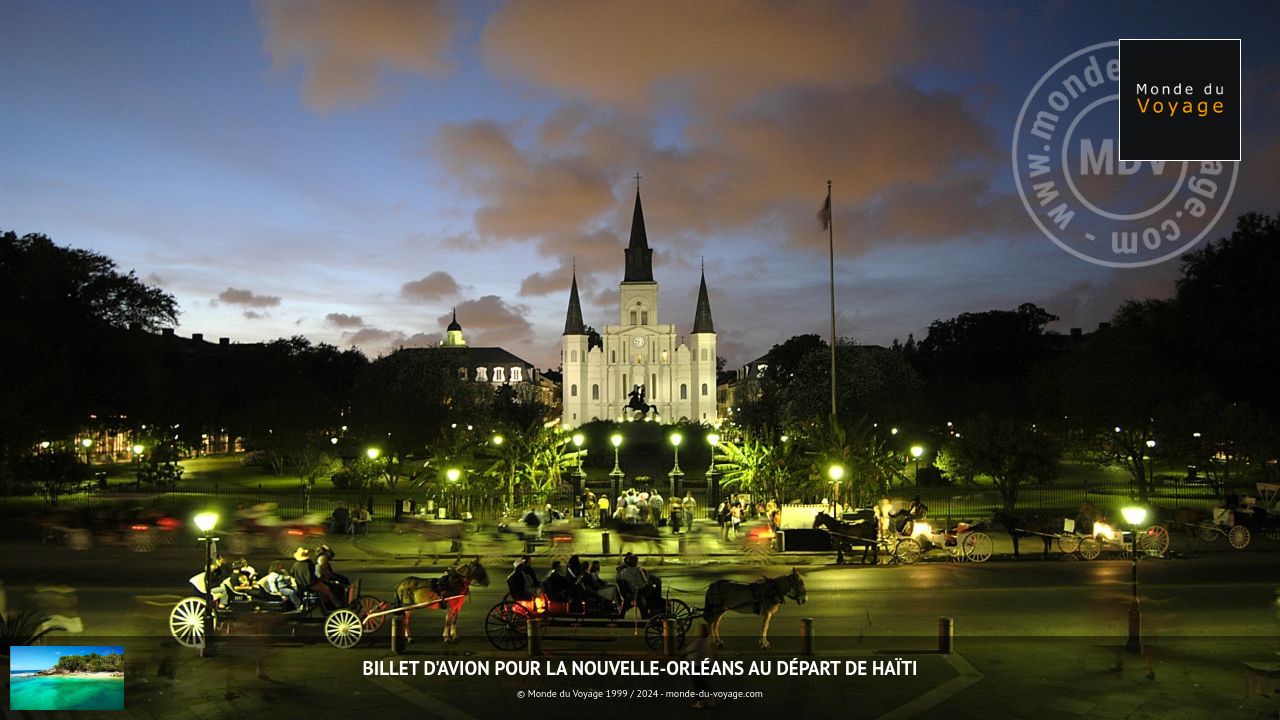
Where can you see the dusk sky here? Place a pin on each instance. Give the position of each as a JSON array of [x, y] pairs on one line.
[[351, 171]]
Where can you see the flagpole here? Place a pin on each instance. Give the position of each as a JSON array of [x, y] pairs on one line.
[[831, 257]]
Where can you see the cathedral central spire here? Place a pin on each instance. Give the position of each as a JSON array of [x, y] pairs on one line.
[[573, 324], [702, 316], [639, 255]]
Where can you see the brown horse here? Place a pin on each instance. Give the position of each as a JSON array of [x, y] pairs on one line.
[[762, 597], [443, 593]]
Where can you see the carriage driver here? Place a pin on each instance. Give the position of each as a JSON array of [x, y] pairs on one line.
[[638, 585], [523, 583]]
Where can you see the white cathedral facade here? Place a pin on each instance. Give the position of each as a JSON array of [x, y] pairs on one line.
[[639, 356]]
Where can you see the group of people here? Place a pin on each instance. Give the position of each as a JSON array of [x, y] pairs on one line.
[[316, 574], [577, 581], [649, 508], [354, 521]]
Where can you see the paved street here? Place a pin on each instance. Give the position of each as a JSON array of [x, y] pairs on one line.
[[1038, 637]]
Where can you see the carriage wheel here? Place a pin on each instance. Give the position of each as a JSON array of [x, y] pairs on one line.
[[1090, 548], [343, 628], [288, 544], [1069, 544], [240, 543], [653, 630], [366, 604], [1207, 532], [1155, 541], [681, 611], [141, 541], [907, 551], [505, 626], [186, 622], [1239, 537], [1272, 533], [978, 547]]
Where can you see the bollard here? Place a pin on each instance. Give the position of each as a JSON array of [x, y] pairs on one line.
[[604, 543], [528, 547], [946, 635], [670, 636], [533, 628], [682, 543], [806, 636], [781, 539], [397, 634]]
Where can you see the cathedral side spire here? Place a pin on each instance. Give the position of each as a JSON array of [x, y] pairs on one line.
[[639, 255], [573, 324], [702, 317]]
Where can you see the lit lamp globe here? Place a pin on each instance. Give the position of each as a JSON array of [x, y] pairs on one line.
[[616, 440], [713, 439], [373, 453], [578, 439], [676, 439], [137, 449], [206, 521], [86, 443], [1134, 515], [453, 474], [836, 473], [916, 451], [1151, 443], [497, 439]]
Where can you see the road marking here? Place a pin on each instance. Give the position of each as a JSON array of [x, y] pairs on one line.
[[405, 692], [967, 675]]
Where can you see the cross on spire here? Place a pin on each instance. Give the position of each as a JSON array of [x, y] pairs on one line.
[[638, 182]]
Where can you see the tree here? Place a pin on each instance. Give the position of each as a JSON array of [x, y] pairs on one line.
[[1009, 452], [53, 472]]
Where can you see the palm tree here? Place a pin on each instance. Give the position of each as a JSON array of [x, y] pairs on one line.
[[23, 628]]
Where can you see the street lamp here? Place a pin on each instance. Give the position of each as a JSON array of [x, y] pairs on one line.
[[497, 439], [578, 474], [372, 453], [714, 441], [676, 474], [206, 522], [1135, 516], [1151, 462], [453, 474], [836, 473], [137, 463], [615, 475], [86, 444], [916, 452]]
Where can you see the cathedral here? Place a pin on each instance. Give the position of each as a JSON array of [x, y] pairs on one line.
[[640, 368]]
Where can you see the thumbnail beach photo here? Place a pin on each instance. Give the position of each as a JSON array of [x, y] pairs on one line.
[[67, 677]]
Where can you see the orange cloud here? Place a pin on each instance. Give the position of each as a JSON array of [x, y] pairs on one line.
[[435, 286], [344, 46]]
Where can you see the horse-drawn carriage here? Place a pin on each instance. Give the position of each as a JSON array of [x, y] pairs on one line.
[[1238, 520], [343, 627], [1086, 536], [908, 539], [506, 625]]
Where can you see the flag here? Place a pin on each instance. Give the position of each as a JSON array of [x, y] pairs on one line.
[[824, 215]]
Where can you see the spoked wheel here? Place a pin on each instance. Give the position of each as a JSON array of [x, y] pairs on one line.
[[1069, 543], [288, 543], [366, 604], [653, 630], [1090, 548], [343, 628], [1207, 532], [908, 551], [186, 622], [1272, 533], [977, 547], [1155, 541], [141, 541], [506, 626], [1239, 537]]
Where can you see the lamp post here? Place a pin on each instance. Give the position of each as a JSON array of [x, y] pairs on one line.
[[578, 474], [916, 452], [1135, 517], [453, 474], [615, 475], [836, 473], [87, 443], [676, 474], [137, 463], [713, 486], [1151, 461], [206, 522]]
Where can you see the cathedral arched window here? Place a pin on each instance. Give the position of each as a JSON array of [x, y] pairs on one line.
[[573, 391], [644, 317], [595, 392], [704, 389], [633, 317], [684, 391], [704, 354], [613, 357], [654, 384], [573, 356]]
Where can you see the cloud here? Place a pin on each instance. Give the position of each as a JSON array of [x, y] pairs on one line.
[[343, 320], [344, 46], [253, 315], [435, 286], [232, 296], [380, 341], [490, 320]]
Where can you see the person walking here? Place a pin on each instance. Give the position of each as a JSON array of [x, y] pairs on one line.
[[690, 509], [603, 506], [657, 506], [676, 510]]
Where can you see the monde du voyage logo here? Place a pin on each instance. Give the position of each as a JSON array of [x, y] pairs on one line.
[[1149, 206]]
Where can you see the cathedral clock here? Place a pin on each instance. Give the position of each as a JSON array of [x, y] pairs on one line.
[[638, 341]]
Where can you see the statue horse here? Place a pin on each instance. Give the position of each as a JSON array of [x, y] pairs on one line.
[[1031, 526], [762, 597], [447, 593], [637, 404], [848, 535]]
